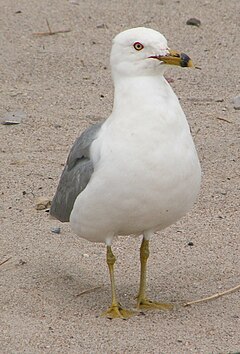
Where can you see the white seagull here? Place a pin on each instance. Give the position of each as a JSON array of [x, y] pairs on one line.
[[138, 171]]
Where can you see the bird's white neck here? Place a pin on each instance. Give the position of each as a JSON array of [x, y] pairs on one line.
[[132, 92], [144, 101]]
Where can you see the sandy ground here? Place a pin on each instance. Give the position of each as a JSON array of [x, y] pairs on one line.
[[62, 83]]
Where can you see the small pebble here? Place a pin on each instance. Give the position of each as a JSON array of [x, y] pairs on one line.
[[190, 243], [193, 22], [236, 102], [102, 26], [56, 230], [42, 203], [21, 262], [12, 118]]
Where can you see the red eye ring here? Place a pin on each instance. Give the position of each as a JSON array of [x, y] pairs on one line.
[[138, 46]]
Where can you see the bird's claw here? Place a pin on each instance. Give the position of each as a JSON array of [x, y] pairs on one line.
[[151, 305], [117, 311]]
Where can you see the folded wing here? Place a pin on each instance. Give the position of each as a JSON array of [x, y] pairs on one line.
[[76, 174]]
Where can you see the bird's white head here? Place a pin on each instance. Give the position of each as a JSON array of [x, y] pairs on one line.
[[143, 51]]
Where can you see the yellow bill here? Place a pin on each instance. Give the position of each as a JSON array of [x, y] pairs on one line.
[[175, 58]]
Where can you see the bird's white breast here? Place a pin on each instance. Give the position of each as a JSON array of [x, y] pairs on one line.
[[147, 173]]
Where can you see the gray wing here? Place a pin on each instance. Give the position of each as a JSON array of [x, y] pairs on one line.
[[76, 174]]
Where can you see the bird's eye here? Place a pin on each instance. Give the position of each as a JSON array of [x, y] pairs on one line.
[[138, 46]]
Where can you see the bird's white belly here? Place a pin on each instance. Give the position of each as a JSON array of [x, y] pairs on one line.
[[136, 189]]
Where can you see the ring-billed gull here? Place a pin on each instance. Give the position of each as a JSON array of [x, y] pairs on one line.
[[138, 172]]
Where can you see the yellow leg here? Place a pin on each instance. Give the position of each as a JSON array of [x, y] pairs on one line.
[[142, 301], [115, 310]]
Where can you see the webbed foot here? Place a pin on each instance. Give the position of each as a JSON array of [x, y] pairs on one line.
[[151, 305], [117, 311]]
